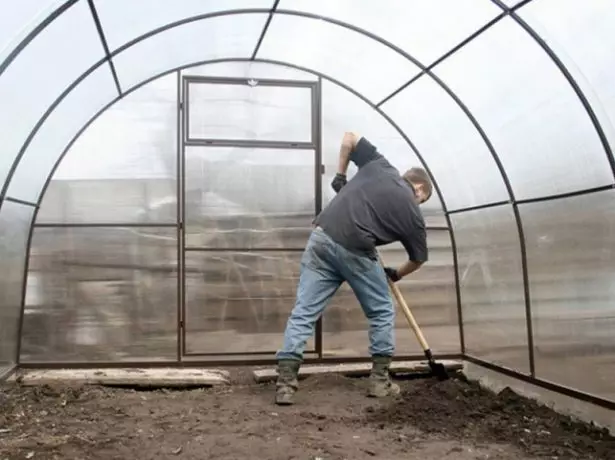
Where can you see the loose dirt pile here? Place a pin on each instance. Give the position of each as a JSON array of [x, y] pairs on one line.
[[332, 419], [462, 409]]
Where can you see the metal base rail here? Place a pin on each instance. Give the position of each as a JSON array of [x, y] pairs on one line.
[[214, 362], [547, 385]]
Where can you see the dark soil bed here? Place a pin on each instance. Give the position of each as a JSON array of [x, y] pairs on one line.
[[332, 419]]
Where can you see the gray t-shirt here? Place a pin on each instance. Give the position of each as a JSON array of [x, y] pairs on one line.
[[376, 207]]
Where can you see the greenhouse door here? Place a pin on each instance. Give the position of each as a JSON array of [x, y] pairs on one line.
[[250, 186]]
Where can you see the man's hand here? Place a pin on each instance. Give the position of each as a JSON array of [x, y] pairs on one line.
[[338, 182], [392, 274]]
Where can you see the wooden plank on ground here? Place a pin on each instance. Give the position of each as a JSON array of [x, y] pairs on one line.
[[358, 369], [152, 378]]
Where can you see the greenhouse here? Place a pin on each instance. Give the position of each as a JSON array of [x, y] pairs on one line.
[[154, 214]]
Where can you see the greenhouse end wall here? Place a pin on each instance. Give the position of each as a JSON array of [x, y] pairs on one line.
[[504, 105], [247, 214]]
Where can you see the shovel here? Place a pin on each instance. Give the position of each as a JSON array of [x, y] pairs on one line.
[[437, 369]]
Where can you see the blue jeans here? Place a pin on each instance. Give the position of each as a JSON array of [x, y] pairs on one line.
[[325, 265]]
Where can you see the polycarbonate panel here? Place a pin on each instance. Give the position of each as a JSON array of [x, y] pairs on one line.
[[247, 112], [530, 112], [571, 267], [342, 111], [354, 59], [18, 20], [429, 292], [584, 41], [101, 294], [222, 37], [123, 167], [239, 302], [453, 146], [424, 29], [249, 70], [41, 72], [491, 283], [248, 198], [126, 20], [14, 226], [49, 143]]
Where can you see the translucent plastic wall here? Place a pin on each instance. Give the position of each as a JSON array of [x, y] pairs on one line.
[[103, 275], [172, 164]]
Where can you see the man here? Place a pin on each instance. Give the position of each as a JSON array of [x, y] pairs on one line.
[[376, 207]]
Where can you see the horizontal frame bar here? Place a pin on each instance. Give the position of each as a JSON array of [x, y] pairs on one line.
[[229, 363], [239, 353], [560, 196], [287, 145], [18, 201], [480, 206], [151, 268], [240, 249], [105, 225], [547, 385], [437, 228], [198, 79], [176, 225]]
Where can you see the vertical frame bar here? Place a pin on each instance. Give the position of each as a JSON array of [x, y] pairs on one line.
[[451, 233], [179, 200], [317, 139], [183, 109], [526, 290], [185, 112]]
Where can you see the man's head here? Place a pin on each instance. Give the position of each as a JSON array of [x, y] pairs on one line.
[[420, 182]]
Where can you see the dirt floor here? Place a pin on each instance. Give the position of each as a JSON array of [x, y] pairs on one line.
[[332, 419]]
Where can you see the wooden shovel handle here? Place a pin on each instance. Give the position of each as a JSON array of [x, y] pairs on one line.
[[409, 316], [407, 313]]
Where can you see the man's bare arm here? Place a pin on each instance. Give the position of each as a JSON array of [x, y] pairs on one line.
[[408, 267], [349, 143]]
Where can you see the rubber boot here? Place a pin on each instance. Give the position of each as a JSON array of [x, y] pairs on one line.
[[380, 384], [287, 383]]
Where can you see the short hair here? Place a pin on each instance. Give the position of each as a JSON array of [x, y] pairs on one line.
[[417, 176]]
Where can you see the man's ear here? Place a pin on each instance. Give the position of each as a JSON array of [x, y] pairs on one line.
[[421, 192]]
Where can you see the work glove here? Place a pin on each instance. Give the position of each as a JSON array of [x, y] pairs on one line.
[[392, 274], [338, 182]]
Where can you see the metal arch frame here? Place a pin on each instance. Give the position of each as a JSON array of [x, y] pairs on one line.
[[231, 13], [271, 12], [65, 6], [567, 75], [34, 32], [207, 62]]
